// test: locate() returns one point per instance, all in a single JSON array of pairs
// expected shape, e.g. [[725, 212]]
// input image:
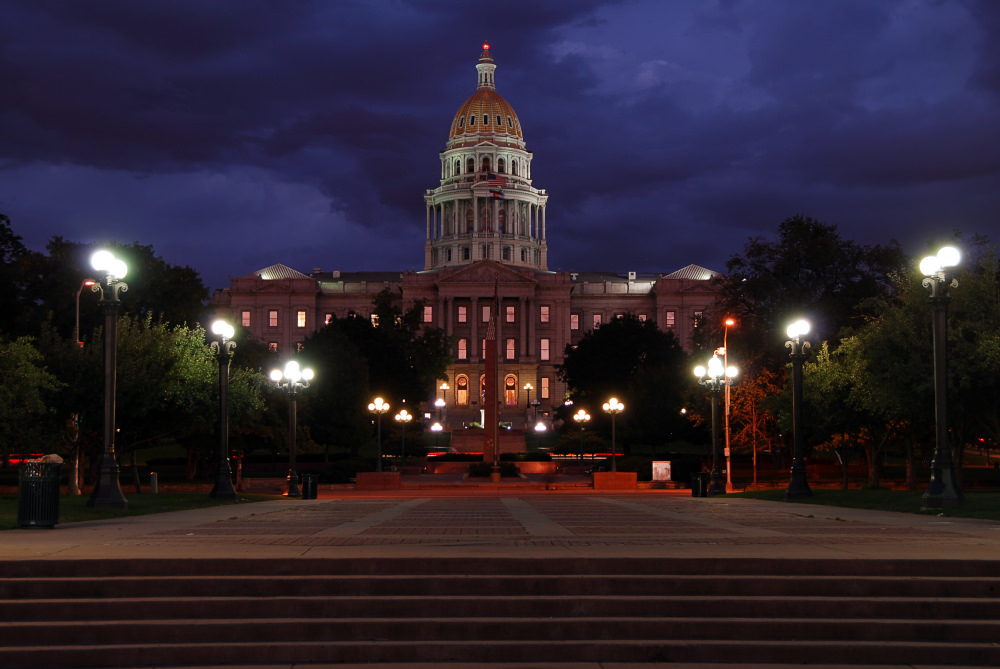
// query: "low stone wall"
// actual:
[[378, 481], [615, 481]]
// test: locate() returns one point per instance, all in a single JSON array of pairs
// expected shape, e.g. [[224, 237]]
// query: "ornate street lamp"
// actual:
[[379, 407], [943, 490], [223, 350], [715, 378], [292, 379], [403, 417], [613, 407], [582, 418], [798, 486], [107, 491]]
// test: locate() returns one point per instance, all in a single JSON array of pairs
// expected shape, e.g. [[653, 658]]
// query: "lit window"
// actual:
[[543, 391], [597, 321], [486, 314], [543, 349], [428, 314], [272, 346], [698, 315], [642, 318], [462, 390], [300, 319], [574, 321], [245, 319], [482, 348], [272, 318], [510, 390], [299, 346], [463, 349], [510, 314], [670, 318], [543, 316], [463, 314], [374, 319], [327, 318], [511, 349]]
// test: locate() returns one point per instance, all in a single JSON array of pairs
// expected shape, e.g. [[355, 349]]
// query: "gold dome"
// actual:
[[486, 116]]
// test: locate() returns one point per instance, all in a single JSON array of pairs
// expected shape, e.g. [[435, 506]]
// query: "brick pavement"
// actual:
[[499, 522]]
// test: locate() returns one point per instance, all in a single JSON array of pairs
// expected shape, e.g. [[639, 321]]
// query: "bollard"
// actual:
[[152, 483]]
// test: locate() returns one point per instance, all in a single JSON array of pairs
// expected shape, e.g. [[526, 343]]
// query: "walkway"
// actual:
[[515, 523]]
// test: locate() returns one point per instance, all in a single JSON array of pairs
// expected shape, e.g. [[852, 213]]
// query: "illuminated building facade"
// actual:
[[485, 229]]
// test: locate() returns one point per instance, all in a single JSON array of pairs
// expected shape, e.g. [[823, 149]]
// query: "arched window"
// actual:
[[524, 255], [501, 166], [510, 390], [470, 165], [482, 390], [502, 220], [466, 254], [462, 390], [513, 167], [486, 164], [458, 167]]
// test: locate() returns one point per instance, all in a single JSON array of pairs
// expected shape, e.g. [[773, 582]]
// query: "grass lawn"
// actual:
[[984, 505], [74, 509]]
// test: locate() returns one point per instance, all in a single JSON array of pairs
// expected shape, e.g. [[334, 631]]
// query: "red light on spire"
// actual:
[[486, 46]]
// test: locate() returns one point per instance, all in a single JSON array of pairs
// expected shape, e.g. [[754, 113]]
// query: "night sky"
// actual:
[[232, 135]]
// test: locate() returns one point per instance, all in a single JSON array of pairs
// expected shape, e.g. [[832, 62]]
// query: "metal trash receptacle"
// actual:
[[699, 485], [38, 494], [309, 482]]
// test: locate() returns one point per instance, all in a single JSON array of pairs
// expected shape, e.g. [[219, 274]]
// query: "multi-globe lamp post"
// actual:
[[223, 349], [107, 490], [715, 378], [613, 407], [943, 490], [403, 418], [292, 379], [798, 486], [582, 418], [378, 406]]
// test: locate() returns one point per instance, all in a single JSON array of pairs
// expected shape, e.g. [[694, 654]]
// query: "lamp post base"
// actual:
[[292, 488], [224, 482], [716, 486], [942, 492], [798, 486], [107, 492]]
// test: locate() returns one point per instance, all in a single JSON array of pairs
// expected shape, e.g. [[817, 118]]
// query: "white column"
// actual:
[[428, 222]]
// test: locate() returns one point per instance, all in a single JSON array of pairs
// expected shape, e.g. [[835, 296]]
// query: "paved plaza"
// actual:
[[508, 522]]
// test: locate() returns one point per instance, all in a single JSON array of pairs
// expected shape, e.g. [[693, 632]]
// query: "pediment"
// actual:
[[486, 272]]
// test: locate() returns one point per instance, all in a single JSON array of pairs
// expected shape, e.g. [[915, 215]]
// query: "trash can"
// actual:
[[38, 494], [309, 482], [699, 485]]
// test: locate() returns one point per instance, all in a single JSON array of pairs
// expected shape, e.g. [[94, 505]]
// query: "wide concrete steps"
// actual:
[[118, 613]]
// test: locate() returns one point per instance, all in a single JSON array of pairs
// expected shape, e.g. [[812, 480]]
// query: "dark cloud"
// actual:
[[665, 133]]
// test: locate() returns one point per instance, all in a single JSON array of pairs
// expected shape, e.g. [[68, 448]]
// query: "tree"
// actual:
[[13, 256], [638, 363], [26, 415]]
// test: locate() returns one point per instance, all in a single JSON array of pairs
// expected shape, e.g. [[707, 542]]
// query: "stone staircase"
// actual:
[[301, 611]]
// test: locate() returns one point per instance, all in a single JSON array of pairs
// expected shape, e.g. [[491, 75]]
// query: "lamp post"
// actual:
[[582, 418], [292, 379], [107, 490], [223, 350], [444, 400], [76, 327], [715, 378], [798, 486], [527, 401], [403, 417], [729, 322], [439, 403], [943, 490], [613, 407], [379, 407]]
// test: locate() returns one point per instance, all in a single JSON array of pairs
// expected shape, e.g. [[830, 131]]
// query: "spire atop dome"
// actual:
[[485, 69]]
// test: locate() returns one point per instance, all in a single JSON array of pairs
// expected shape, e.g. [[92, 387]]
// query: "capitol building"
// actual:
[[486, 230]]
